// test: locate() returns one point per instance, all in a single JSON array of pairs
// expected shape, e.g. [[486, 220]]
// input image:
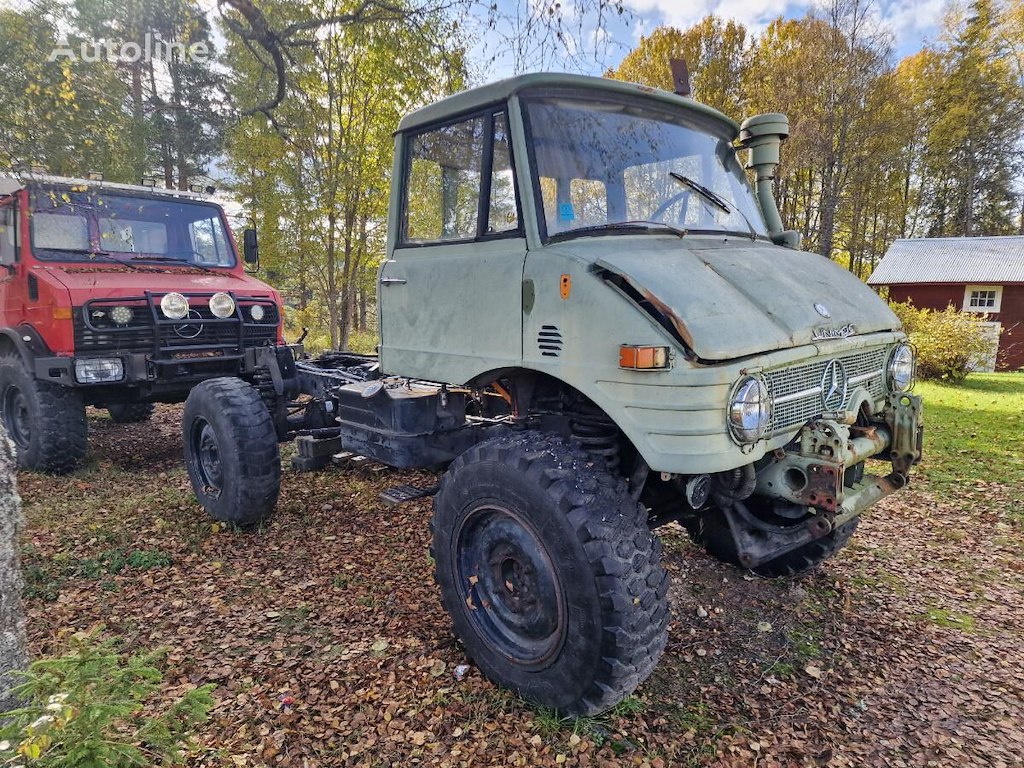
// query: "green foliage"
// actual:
[[950, 344], [86, 710]]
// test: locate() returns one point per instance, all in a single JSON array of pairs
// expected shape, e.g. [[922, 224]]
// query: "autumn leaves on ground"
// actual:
[[324, 634]]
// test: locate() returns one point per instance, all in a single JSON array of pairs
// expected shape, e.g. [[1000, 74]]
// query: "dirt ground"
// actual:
[[325, 636]]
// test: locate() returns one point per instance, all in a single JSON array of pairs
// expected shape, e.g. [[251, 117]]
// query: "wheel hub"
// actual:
[[207, 454], [16, 417], [510, 586]]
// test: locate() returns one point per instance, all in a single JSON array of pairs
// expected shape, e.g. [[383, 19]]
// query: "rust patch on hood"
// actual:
[[669, 313]]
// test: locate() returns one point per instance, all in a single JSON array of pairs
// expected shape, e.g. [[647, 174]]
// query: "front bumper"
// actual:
[[815, 474]]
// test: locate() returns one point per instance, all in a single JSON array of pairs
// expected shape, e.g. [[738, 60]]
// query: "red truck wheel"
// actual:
[[46, 421]]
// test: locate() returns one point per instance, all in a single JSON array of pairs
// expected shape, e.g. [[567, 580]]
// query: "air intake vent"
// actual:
[[549, 340]]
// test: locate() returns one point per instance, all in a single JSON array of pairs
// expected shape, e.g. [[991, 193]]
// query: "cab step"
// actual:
[[403, 493]]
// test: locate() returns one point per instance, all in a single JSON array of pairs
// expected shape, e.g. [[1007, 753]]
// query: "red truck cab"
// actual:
[[117, 296]]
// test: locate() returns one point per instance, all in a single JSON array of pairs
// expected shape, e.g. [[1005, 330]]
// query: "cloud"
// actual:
[[910, 21], [754, 14]]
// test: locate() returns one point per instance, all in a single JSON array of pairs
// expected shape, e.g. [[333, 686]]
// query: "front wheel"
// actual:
[[46, 421], [231, 451], [549, 572]]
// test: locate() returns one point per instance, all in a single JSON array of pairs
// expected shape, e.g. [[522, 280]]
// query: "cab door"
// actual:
[[10, 298], [450, 294]]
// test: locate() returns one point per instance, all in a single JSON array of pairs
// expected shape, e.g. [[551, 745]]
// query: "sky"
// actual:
[[911, 24]]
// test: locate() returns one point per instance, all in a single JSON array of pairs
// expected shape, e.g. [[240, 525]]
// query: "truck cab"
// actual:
[[116, 296]]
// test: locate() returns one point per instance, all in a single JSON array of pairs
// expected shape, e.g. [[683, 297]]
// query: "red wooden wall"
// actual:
[[1010, 314]]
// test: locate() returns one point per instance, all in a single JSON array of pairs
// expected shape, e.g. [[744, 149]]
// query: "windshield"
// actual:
[[604, 160], [79, 226]]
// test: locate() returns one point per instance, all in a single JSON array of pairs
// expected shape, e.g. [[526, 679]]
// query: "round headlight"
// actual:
[[174, 306], [750, 410], [222, 305], [901, 368], [121, 315], [256, 312]]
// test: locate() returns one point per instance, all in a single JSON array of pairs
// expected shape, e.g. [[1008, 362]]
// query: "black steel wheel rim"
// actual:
[[510, 586], [16, 416], [207, 456]]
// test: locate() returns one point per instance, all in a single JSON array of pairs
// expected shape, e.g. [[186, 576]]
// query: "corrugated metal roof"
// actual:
[[952, 260]]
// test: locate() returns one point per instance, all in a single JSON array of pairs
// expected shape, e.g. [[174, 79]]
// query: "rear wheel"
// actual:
[[46, 421], [129, 413], [231, 451], [549, 572]]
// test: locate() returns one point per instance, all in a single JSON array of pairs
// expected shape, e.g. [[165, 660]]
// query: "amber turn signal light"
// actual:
[[637, 358]]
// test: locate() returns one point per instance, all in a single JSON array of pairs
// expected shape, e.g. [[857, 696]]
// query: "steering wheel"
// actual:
[[663, 208]]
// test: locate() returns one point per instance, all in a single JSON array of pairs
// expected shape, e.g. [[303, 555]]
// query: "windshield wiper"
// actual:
[[185, 262], [96, 254], [701, 190], [637, 225], [714, 199]]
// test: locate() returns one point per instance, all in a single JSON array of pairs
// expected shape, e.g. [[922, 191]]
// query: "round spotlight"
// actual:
[[222, 305], [901, 368], [121, 315], [174, 306], [256, 312], [750, 410]]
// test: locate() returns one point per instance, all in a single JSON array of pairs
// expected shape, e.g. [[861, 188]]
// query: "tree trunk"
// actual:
[[13, 643]]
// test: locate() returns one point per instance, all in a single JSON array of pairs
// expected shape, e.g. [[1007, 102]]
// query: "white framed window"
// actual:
[[983, 298]]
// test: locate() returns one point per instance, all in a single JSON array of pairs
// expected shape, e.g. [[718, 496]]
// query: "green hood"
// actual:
[[730, 299]]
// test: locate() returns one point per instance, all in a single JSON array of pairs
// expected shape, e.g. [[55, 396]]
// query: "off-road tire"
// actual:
[[130, 413], [711, 531], [45, 420], [231, 451], [564, 527]]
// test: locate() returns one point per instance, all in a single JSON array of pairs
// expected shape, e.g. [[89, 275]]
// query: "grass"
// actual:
[[973, 434], [941, 617], [597, 728]]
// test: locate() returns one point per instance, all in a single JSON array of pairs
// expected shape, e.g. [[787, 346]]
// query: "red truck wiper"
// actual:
[[183, 262], [95, 254]]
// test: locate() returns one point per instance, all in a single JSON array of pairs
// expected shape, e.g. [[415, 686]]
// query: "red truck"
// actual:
[[118, 296]]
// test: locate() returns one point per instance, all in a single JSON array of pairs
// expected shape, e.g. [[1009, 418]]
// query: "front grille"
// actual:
[[167, 341], [796, 391]]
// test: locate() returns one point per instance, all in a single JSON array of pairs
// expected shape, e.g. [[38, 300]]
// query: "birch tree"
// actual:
[[13, 648]]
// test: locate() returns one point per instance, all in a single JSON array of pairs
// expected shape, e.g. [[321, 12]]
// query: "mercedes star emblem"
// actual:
[[834, 386]]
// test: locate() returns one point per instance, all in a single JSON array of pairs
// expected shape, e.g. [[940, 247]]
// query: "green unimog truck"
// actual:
[[595, 325]]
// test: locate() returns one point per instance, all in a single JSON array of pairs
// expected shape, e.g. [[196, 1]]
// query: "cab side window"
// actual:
[[459, 182], [503, 210], [8, 234], [443, 183]]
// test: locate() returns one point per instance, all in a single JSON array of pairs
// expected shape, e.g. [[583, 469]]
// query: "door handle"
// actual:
[[393, 281]]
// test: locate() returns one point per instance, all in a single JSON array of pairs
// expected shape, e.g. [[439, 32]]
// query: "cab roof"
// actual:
[[11, 182], [477, 98]]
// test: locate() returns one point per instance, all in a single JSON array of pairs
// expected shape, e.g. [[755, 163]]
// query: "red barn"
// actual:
[[975, 274]]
